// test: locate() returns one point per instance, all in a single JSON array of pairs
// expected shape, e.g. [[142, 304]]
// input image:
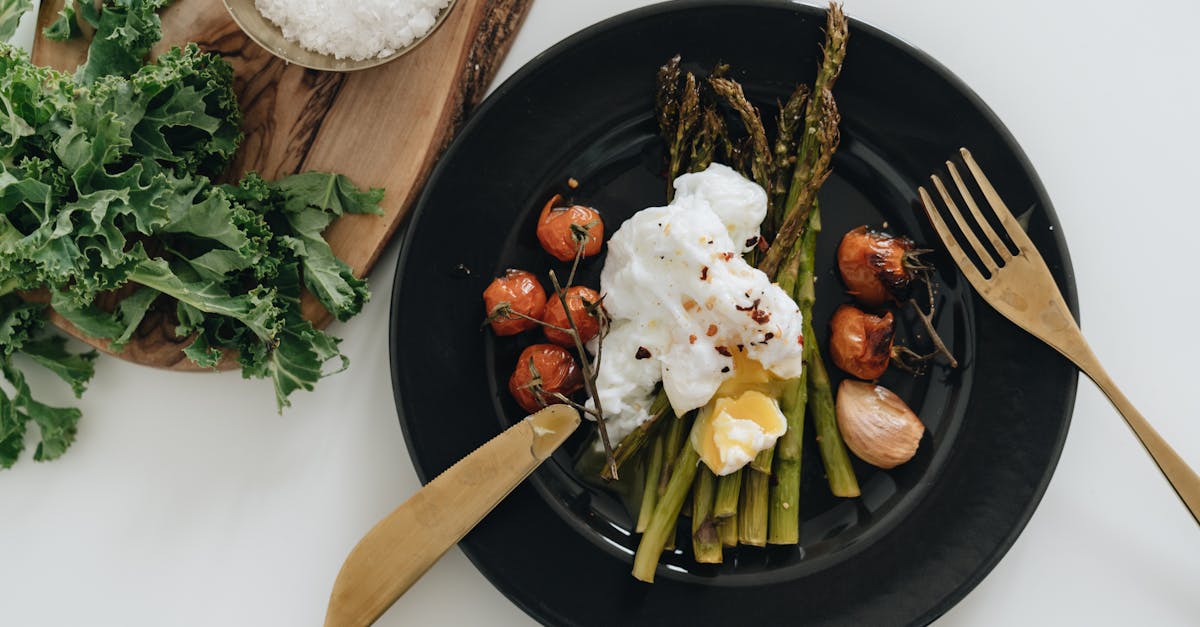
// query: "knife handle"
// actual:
[[406, 543]]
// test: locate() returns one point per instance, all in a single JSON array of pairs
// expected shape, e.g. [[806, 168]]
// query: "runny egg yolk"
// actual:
[[741, 420]]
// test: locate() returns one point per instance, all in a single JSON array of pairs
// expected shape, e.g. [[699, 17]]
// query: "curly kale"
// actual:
[[107, 188]]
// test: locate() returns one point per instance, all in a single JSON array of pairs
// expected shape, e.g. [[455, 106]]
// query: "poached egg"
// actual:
[[688, 311]]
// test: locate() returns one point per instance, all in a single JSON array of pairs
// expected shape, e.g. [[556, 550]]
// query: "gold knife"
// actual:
[[406, 543]]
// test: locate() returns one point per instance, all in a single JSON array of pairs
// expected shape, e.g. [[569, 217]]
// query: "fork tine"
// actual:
[[952, 246], [984, 256], [988, 231], [1014, 230]]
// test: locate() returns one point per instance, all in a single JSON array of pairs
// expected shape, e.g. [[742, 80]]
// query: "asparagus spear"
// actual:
[[666, 99], [790, 120], [637, 438], [704, 145], [727, 530], [752, 511], [759, 150], [654, 465], [729, 489], [838, 470], [674, 439], [784, 518], [819, 142], [706, 545], [666, 511], [678, 110], [762, 461]]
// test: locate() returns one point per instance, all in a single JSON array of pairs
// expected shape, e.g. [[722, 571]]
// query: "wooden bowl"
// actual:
[[267, 34]]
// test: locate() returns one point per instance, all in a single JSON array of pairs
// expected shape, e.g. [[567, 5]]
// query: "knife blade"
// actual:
[[407, 542]]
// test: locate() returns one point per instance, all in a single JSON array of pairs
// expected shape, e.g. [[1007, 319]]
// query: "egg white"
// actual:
[[681, 299]]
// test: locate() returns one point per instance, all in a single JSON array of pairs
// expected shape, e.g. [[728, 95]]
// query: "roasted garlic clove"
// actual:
[[876, 424]]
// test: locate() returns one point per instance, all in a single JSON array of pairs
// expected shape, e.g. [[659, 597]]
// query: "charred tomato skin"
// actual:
[[557, 369], [521, 292], [873, 264], [578, 297], [860, 343], [557, 227]]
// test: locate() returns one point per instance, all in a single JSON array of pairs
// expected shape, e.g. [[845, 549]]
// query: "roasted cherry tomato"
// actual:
[[561, 229], [861, 343], [517, 291], [579, 300], [542, 370], [875, 265]]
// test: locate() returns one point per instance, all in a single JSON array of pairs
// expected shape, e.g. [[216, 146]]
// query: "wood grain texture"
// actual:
[[382, 127]]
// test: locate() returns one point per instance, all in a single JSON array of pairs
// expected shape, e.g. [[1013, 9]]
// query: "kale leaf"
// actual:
[[10, 15], [20, 332], [109, 193]]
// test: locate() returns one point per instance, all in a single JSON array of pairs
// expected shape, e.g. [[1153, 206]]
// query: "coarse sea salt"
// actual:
[[353, 29]]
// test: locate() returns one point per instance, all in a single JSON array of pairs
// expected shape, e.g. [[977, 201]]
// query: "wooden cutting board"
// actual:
[[382, 127]]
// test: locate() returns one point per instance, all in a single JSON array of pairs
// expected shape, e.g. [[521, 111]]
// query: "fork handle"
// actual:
[[1182, 478]]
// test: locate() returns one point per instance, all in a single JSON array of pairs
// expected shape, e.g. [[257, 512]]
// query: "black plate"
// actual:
[[922, 535]]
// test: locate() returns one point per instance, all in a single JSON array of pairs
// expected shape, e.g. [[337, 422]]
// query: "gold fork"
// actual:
[[1021, 288]]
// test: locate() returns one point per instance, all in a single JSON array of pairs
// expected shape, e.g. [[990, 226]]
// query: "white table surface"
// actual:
[[187, 501]]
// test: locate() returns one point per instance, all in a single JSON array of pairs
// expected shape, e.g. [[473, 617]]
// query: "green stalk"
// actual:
[[677, 107], [675, 440], [790, 120], [784, 517], [838, 470], [762, 461], [666, 511], [706, 545], [729, 488], [727, 530], [669, 545], [752, 512], [820, 141], [708, 136], [672, 443], [637, 438], [759, 148], [654, 466]]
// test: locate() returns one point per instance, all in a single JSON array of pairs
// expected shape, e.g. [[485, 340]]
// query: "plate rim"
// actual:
[[535, 64]]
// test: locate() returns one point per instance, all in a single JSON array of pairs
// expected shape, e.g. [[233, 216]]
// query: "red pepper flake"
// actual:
[[724, 351], [726, 256], [712, 330], [756, 314], [800, 340], [704, 273], [691, 339], [642, 353]]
